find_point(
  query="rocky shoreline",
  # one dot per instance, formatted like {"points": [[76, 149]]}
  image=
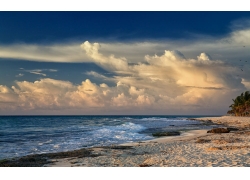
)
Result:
{"points": [[191, 149], [243, 123]]}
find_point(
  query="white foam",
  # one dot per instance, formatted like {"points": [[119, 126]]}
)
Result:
{"points": [[56, 146], [88, 133], [117, 134]]}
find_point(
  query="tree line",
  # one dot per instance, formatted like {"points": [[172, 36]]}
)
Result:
{"points": [[241, 105]]}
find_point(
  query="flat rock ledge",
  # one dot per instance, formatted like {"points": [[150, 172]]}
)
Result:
{"points": [[219, 130], [172, 133]]}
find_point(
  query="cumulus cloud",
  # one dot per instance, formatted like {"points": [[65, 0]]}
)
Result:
{"points": [[204, 57], [55, 94], [110, 63], [228, 48], [167, 77], [6, 94], [167, 83], [8, 99]]}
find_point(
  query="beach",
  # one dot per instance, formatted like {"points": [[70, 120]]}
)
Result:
{"points": [[195, 148]]}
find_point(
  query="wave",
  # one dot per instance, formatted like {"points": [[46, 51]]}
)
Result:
{"points": [[127, 132]]}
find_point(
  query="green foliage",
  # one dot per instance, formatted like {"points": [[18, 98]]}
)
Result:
{"points": [[241, 105]]}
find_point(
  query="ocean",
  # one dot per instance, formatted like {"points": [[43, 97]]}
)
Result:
{"points": [[24, 135]]}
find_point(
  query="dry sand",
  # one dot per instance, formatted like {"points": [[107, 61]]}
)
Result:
{"points": [[192, 149], [239, 122]]}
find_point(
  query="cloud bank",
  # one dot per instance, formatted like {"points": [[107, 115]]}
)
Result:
{"points": [[198, 76], [230, 48], [166, 84]]}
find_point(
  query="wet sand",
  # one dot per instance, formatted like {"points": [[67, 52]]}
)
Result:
{"points": [[195, 148], [192, 149]]}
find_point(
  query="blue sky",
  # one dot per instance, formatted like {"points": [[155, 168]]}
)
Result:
{"points": [[122, 62], [48, 27]]}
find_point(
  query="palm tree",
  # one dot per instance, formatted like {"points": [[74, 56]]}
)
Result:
{"points": [[241, 105], [247, 110]]}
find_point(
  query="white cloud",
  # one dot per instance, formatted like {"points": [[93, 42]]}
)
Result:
{"points": [[204, 57], [52, 70], [47, 53], [37, 71], [169, 83], [97, 75], [227, 48], [110, 63], [246, 83], [7, 99], [151, 77], [55, 94], [20, 75]]}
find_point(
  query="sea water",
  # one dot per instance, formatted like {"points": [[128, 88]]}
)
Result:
{"points": [[24, 135]]}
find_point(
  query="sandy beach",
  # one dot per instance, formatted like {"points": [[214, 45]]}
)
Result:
{"points": [[192, 149], [195, 148]]}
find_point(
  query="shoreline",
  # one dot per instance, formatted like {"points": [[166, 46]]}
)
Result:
{"points": [[194, 148], [190, 134], [229, 121], [46, 159], [186, 136]]}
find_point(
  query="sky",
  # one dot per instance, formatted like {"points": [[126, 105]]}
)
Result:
{"points": [[126, 63]]}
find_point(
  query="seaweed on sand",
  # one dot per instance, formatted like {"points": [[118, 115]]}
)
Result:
{"points": [[39, 160], [173, 133]]}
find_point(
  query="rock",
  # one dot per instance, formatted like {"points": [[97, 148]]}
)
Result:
{"points": [[118, 147], [218, 130], [173, 133], [202, 141], [208, 122], [144, 165], [232, 129], [121, 147], [171, 125], [39, 160]]}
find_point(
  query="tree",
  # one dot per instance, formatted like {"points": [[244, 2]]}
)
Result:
{"points": [[241, 105]]}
